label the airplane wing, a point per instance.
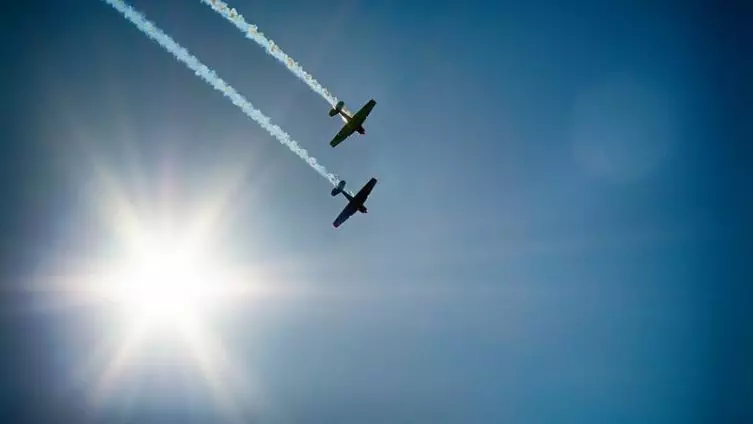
(366, 189)
(361, 115)
(344, 133)
(344, 215)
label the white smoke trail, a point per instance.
(253, 33)
(215, 81)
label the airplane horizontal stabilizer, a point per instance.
(337, 190)
(334, 111)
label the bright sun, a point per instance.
(162, 274)
(166, 282)
(165, 285)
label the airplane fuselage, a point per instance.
(358, 201)
(359, 129)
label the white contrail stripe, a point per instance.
(215, 81)
(253, 33)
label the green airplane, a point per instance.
(352, 124)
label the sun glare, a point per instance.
(166, 284)
(163, 287)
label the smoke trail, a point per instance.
(253, 33)
(211, 77)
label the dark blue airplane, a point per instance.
(355, 203)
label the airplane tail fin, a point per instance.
(334, 111)
(337, 190)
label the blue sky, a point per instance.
(558, 233)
